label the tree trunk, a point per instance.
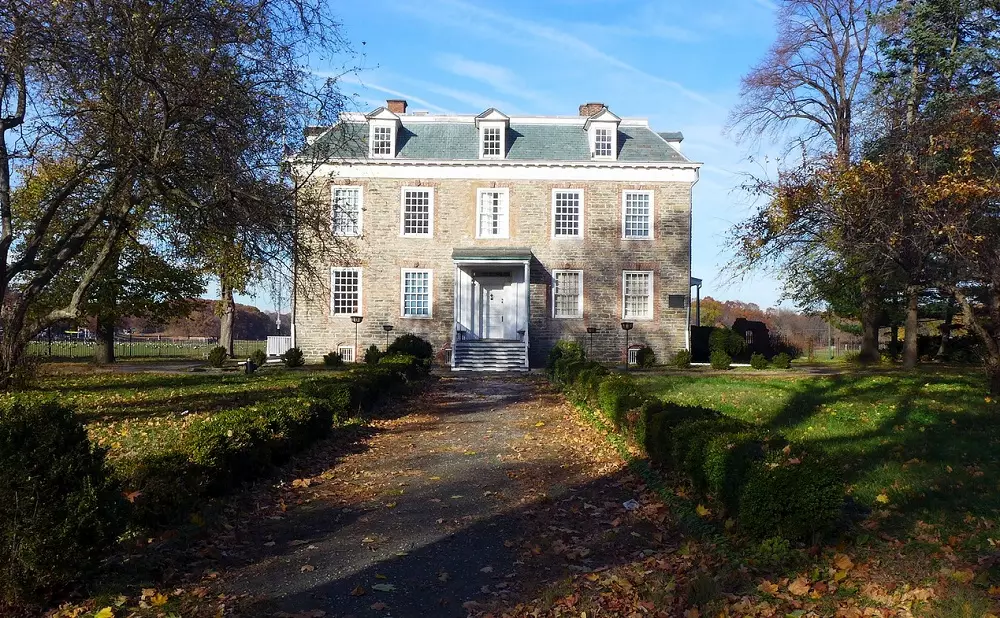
(226, 317)
(14, 367)
(946, 329)
(910, 351)
(105, 334)
(993, 375)
(870, 313)
(894, 340)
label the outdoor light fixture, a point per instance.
(357, 320)
(388, 329)
(626, 326)
(591, 330)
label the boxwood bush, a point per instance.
(782, 361)
(758, 361)
(720, 360)
(333, 359)
(293, 357)
(682, 359)
(59, 508)
(760, 484)
(568, 350)
(217, 356)
(412, 345)
(259, 357)
(645, 357)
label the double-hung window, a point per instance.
(416, 293)
(567, 213)
(637, 214)
(492, 142)
(567, 294)
(346, 211)
(492, 213)
(604, 143)
(417, 212)
(382, 141)
(637, 295)
(345, 288)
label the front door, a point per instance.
(494, 300)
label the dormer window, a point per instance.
(384, 125)
(492, 126)
(381, 141)
(604, 144)
(602, 130)
(492, 142)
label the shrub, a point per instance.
(728, 460)
(727, 340)
(616, 396)
(408, 366)
(372, 355)
(413, 346)
(293, 357)
(59, 510)
(645, 357)
(795, 499)
(570, 350)
(782, 361)
(682, 359)
(758, 361)
(660, 427)
(333, 359)
(588, 380)
(689, 440)
(720, 360)
(259, 357)
(567, 369)
(217, 356)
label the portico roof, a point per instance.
(491, 254)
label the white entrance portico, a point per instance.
(491, 308)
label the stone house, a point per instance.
(496, 236)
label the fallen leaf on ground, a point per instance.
(799, 587)
(307, 568)
(359, 591)
(379, 606)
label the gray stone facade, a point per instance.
(602, 254)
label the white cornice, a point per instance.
(481, 169)
(530, 120)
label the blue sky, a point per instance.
(676, 62)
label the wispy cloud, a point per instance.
(505, 27)
(351, 79)
(501, 79)
(767, 4)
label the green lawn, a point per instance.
(142, 414)
(912, 447)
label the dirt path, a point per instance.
(485, 491)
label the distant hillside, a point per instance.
(250, 323)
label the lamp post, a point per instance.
(357, 319)
(388, 329)
(626, 326)
(591, 330)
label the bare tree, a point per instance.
(806, 92)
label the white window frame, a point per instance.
(579, 302)
(502, 128)
(625, 195)
(552, 218)
(505, 199)
(402, 212)
(350, 349)
(611, 134)
(361, 209)
(391, 126)
(652, 296)
(430, 293)
(361, 288)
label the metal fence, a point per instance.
(140, 348)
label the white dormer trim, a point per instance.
(602, 134)
(492, 128)
(380, 122)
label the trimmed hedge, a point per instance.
(412, 345)
(239, 445)
(59, 508)
(761, 484)
(720, 360)
(333, 359)
(682, 359)
(782, 361)
(758, 361)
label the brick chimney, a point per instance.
(396, 106)
(589, 109)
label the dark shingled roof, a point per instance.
(491, 253)
(458, 141)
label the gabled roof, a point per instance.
(492, 115)
(458, 140)
(382, 114)
(605, 115)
